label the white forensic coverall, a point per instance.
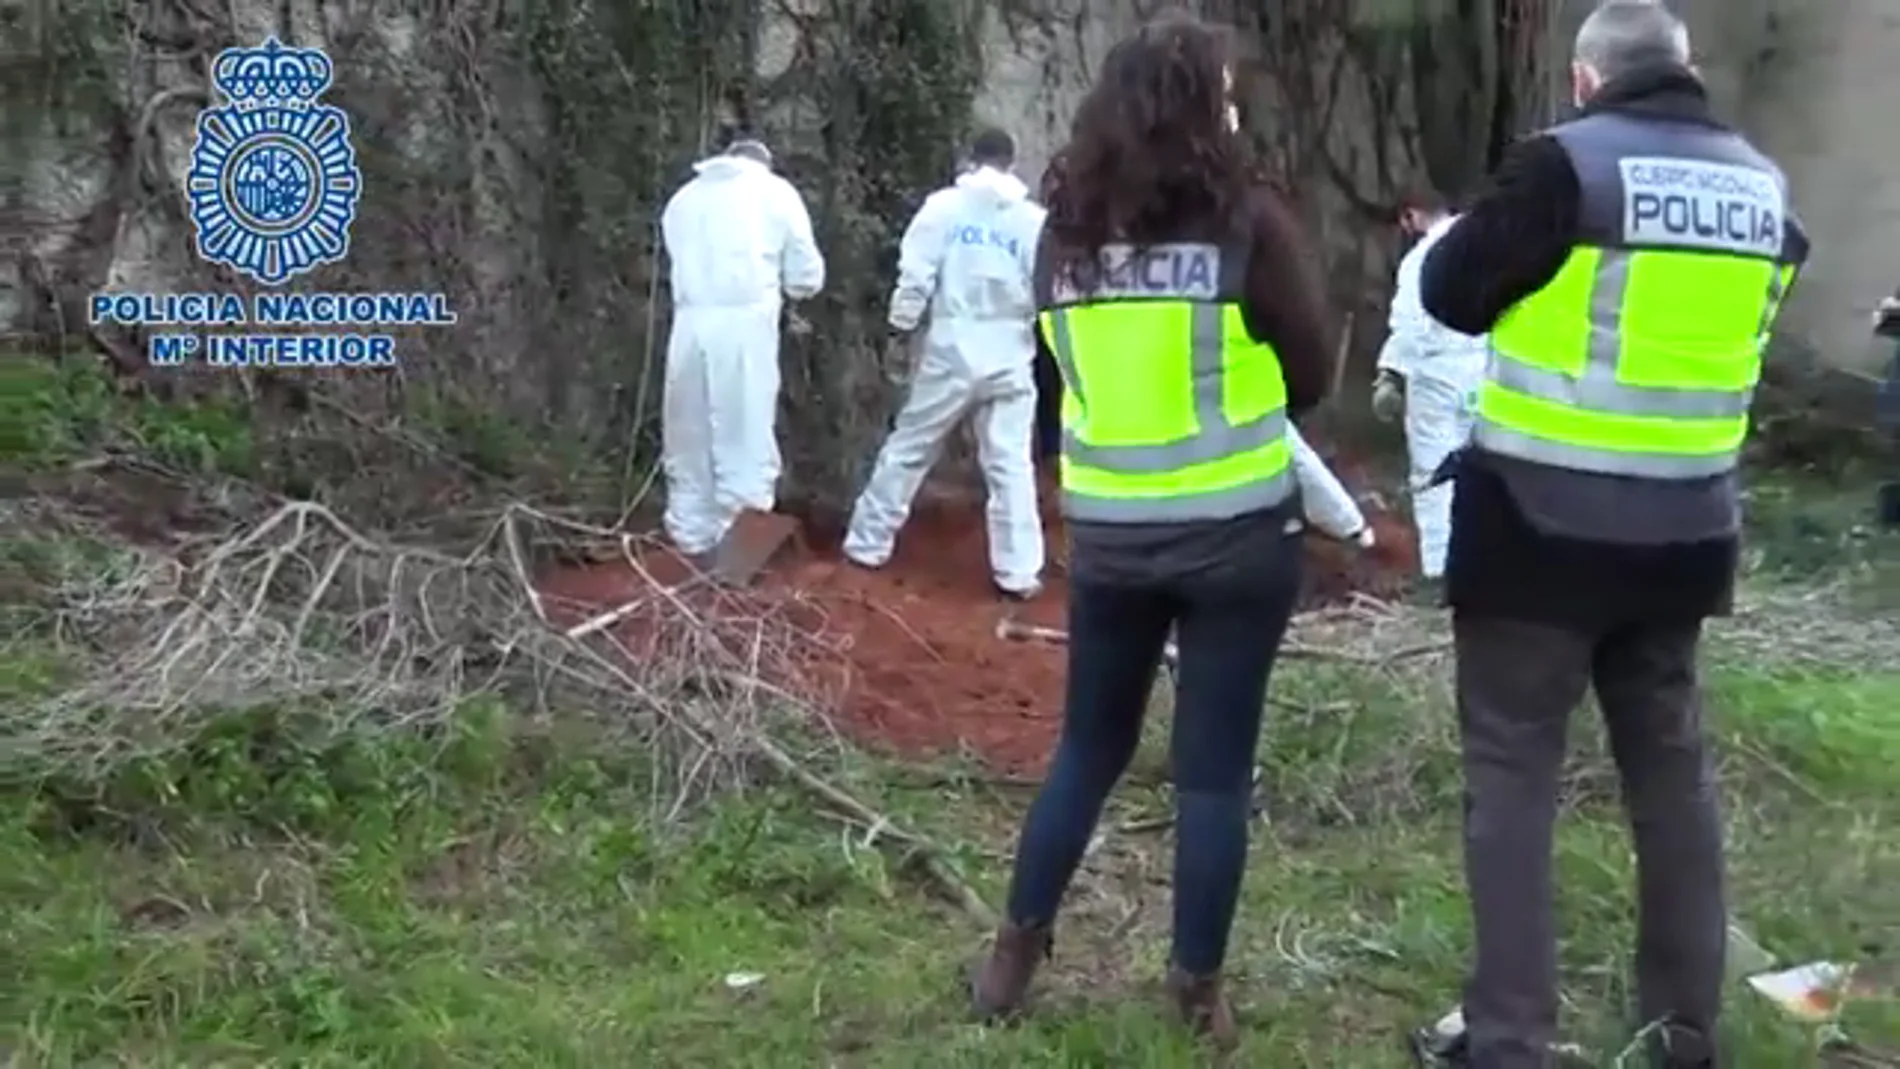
(740, 240)
(1326, 501)
(967, 257)
(1443, 370)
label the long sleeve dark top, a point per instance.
(1285, 304)
(1887, 325)
(1541, 541)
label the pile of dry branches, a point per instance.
(304, 611)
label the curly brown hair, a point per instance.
(1150, 155)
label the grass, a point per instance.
(55, 413)
(489, 896)
(493, 893)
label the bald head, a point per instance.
(1623, 35)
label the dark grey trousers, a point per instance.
(1517, 684)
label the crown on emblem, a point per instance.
(272, 76)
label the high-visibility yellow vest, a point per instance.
(1170, 411)
(1640, 358)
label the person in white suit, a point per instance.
(966, 258)
(1431, 373)
(740, 241)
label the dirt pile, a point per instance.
(906, 657)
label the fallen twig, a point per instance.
(1303, 651)
(1013, 630)
(925, 854)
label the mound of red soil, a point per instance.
(906, 657)
(1335, 571)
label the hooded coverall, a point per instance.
(740, 240)
(967, 257)
(1442, 370)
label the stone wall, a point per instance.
(518, 153)
(1821, 92)
(1815, 84)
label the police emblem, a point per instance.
(273, 181)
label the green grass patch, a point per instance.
(495, 891)
(56, 412)
(1806, 526)
(53, 413)
(483, 895)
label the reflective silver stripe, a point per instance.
(1599, 388)
(1777, 289)
(1062, 346)
(1218, 443)
(1214, 505)
(1516, 443)
(1217, 438)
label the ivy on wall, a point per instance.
(539, 141)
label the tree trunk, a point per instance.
(1455, 85)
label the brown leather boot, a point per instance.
(1000, 985)
(1204, 1007)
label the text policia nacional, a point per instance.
(280, 330)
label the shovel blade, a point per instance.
(755, 540)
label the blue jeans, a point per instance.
(1228, 624)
